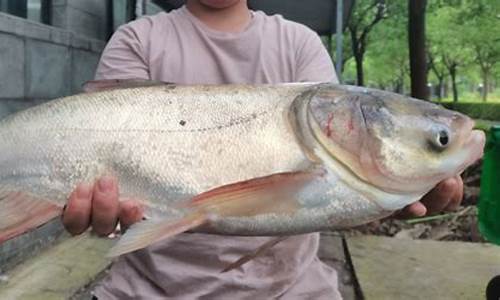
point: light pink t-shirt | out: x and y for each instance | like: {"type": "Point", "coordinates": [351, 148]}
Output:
{"type": "Point", "coordinates": [178, 48]}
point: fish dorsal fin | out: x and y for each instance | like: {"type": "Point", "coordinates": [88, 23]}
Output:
{"type": "Point", "coordinates": [112, 84]}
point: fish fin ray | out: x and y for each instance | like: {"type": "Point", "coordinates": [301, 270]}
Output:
{"type": "Point", "coordinates": [21, 212]}
{"type": "Point", "coordinates": [147, 232]}
{"type": "Point", "coordinates": [112, 84]}
{"type": "Point", "coordinates": [259, 251]}
{"type": "Point", "coordinates": [270, 194]}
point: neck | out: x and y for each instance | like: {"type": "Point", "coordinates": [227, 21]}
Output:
{"type": "Point", "coordinates": [233, 18]}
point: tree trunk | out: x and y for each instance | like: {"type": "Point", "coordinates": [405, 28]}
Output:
{"type": "Point", "coordinates": [358, 57]}
{"type": "Point", "coordinates": [440, 87]}
{"type": "Point", "coordinates": [359, 69]}
{"type": "Point", "coordinates": [446, 89]}
{"type": "Point", "coordinates": [484, 92]}
{"type": "Point", "coordinates": [416, 39]}
{"type": "Point", "coordinates": [453, 74]}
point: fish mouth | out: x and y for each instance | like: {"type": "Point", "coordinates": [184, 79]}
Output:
{"type": "Point", "coordinates": [475, 142]}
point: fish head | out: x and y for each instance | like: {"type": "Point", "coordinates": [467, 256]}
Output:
{"type": "Point", "coordinates": [396, 143]}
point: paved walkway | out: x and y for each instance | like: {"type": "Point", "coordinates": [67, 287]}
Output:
{"type": "Point", "coordinates": [390, 268]}
{"type": "Point", "coordinates": [384, 268]}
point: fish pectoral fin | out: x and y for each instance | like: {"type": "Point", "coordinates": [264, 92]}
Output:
{"type": "Point", "coordinates": [270, 194]}
{"type": "Point", "coordinates": [259, 251]}
{"type": "Point", "coordinates": [147, 232]}
{"type": "Point", "coordinates": [21, 212]}
{"type": "Point", "coordinates": [112, 84]}
{"type": "Point", "coordinates": [264, 195]}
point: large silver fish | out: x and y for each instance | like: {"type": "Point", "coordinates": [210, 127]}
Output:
{"type": "Point", "coordinates": [233, 159]}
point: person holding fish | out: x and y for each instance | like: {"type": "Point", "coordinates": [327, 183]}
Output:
{"type": "Point", "coordinates": [216, 42]}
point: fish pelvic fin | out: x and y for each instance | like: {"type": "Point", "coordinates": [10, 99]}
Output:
{"type": "Point", "coordinates": [21, 212]}
{"type": "Point", "coordinates": [259, 251]}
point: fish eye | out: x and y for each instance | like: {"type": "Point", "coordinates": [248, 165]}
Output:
{"type": "Point", "coordinates": [441, 139]}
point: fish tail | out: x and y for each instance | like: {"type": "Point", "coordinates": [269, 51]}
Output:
{"type": "Point", "coordinates": [21, 212]}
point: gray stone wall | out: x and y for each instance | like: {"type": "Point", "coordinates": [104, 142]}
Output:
{"type": "Point", "coordinates": [40, 62]}
{"type": "Point", "coordinates": [84, 17]}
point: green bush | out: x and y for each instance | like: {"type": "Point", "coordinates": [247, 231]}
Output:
{"type": "Point", "coordinates": [483, 125]}
{"type": "Point", "coordinates": [485, 111]}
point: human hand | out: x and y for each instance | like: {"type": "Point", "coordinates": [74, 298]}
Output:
{"type": "Point", "coordinates": [98, 206]}
{"type": "Point", "coordinates": [446, 196]}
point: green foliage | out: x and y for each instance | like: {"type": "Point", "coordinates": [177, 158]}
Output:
{"type": "Point", "coordinates": [475, 97]}
{"type": "Point", "coordinates": [387, 64]}
{"type": "Point", "coordinates": [484, 125]}
{"type": "Point", "coordinates": [445, 36]}
{"type": "Point", "coordinates": [485, 111]}
{"type": "Point", "coordinates": [482, 20]}
{"type": "Point", "coordinates": [378, 30]}
{"type": "Point", "coordinates": [366, 15]}
{"type": "Point", "coordinates": [463, 38]}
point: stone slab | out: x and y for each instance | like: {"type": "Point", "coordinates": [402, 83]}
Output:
{"type": "Point", "coordinates": [58, 14]}
{"type": "Point", "coordinates": [86, 24]}
{"type": "Point", "coordinates": [94, 7]}
{"type": "Point", "coordinates": [331, 252]}
{"type": "Point", "coordinates": [62, 37]}
{"type": "Point", "coordinates": [390, 268]}
{"type": "Point", "coordinates": [64, 20]}
{"type": "Point", "coordinates": [58, 272]}
{"type": "Point", "coordinates": [11, 66]}
{"type": "Point", "coordinates": [59, 2]}
{"type": "Point", "coordinates": [47, 70]}
{"type": "Point", "coordinates": [25, 28]}
{"type": "Point", "coordinates": [84, 67]}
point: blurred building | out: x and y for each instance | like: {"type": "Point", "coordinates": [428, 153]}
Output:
{"type": "Point", "coordinates": [49, 48]}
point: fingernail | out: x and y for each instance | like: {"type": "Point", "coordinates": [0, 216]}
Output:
{"type": "Point", "coordinates": [105, 183]}
{"type": "Point", "coordinates": [419, 210]}
{"type": "Point", "coordinates": [83, 190]}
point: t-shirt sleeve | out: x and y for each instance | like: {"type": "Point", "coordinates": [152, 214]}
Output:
{"type": "Point", "coordinates": [313, 61]}
{"type": "Point", "coordinates": [124, 55]}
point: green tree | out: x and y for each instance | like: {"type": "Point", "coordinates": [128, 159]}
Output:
{"type": "Point", "coordinates": [447, 45]}
{"type": "Point", "coordinates": [439, 70]}
{"type": "Point", "coordinates": [387, 64]}
{"type": "Point", "coordinates": [366, 14]}
{"type": "Point", "coordinates": [483, 34]}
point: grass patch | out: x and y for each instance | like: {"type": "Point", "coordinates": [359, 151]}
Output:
{"type": "Point", "coordinates": [469, 97]}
